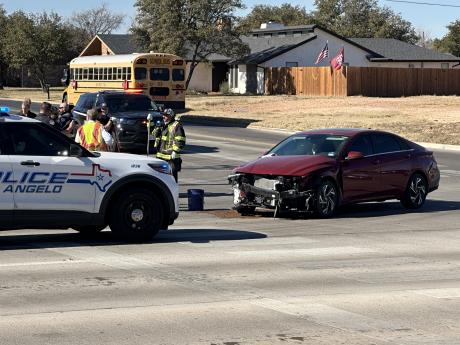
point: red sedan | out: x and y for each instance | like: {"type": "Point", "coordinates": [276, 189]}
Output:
{"type": "Point", "coordinates": [316, 171]}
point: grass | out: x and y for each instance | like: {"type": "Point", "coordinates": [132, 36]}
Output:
{"type": "Point", "coordinates": [35, 94]}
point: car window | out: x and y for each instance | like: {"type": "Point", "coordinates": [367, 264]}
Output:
{"type": "Point", "coordinates": [384, 143]}
{"type": "Point", "coordinates": [140, 73]}
{"type": "Point", "coordinates": [178, 74]}
{"type": "Point", "coordinates": [310, 145]}
{"type": "Point", "coordinates": [85, 102]}
{"type": "Point", "coordinates": [159, 74]}
{"type": "Point", "coordinates": [129, 102]}
{"type": "Point", "coordinates": [31, 139]}
{"type": "Point", "coordinates": [362, 144]}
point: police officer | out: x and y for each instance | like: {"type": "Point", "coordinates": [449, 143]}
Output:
{"type": "Point", "coordinates": [66, 122]}
{"type": "Point", "coordinates": [47, 116]}
{"type": "Point", "coordinates": [169, 141]}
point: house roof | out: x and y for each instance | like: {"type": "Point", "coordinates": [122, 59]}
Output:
{"type": "Point", "coordinates": [267, 48]}
{"type": "Point", "coordinates": [121, 44]}
{"type": "Point", "coordinates": [285, 28]}
{"type": "Point", "coordinates": [389, 49]}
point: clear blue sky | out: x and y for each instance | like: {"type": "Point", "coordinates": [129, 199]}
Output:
{"type": "Point", "coordinates": [429, 18]}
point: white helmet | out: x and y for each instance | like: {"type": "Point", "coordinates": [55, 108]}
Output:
{"type": "Point", "coordinates": [169, 113]}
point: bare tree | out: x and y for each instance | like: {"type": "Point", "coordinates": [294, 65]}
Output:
{"type": "Point", "coordinates": [99, 20]}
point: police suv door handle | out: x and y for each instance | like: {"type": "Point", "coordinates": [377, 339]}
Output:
{"type": "Point", "coordinates": [30, 163]}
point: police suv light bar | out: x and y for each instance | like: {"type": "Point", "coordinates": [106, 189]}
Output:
{"type": "Point", "coordinates": [4, 110]}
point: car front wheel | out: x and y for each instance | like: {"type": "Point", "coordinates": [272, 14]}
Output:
{"type": "Point", "coordinates": [416, 192]}
{"type": "Point", "coordinates": [136, 215]}
{"type": "Point", "coordinates": [327, 197]}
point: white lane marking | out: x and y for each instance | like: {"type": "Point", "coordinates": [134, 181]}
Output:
{"type": "Point", "coordinates": [39, 263]}
{"type": "Point", "coordinates": [440, 293]}
{"type": "Point", "coordinates": [324, 314]}
{"type": "Point", "coordinates": [450, 172]}
{"type": "Point", "coordinates": [330, 251]}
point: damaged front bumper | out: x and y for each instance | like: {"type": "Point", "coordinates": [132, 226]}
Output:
{"type": "Point", "coordinates": [283, 196]}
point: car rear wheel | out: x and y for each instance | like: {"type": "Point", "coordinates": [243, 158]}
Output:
{"type": "Point", "coordinates": [136, 215]}
{"type": "Point", "coordinates": [327, 197]}
{"type": "Point", "coordinates": [416, 192]}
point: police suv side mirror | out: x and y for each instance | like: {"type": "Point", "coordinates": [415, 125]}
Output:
{"type": "Point", "coordinates": [75, 151]}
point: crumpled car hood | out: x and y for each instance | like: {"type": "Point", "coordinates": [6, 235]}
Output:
{"type": "Point", "coordinates": [286, 165]}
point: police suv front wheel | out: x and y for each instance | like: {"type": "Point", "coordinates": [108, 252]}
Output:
{"type": "Point", "coordinates": [136, 215]}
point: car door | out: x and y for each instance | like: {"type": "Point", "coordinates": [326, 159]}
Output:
{"type": "Point", "coordinates": [360, 176]}
{"type": "Point", "coordinates": [45, 177]}
{"type": "Point", "coordinates": [6, 172]}
{"type": "Point", "coordinates": [395, 163]}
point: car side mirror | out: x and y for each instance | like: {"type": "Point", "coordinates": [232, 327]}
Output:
{"type": "Point", "coordinates": [75, 151]}
{"type": "Point", "coordinates": [354, 155]}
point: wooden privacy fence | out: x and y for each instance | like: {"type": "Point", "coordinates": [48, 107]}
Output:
{"type": "Point", "coordinates": [365, 81]}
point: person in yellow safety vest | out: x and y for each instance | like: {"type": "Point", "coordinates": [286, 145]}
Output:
{"type": "Point", "coordinates": [169, 141]}
{"type": "Point", "coordinates": [92, 135]}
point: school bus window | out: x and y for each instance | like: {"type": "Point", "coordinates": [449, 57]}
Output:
{"type": "Point", "coordinates": [109, 73]}
{"type": "Point", "coordinates": [119, 73]}
{"type": "Point", "coordinates": [178, 74]}
{"type": "Point", "coordinates": [140, 73]}
{"type": "Point", "coordinates": [128, 76]}
{"type": "Point", "coordinates": [159, 74]}
{"type": "Point", "coordinates": [90, 74]}
{"type": "Point", "coordinates": [101, 74]}
{"type": "Point", "coordinates": [85, 74]}
{"type": "Point", "coordinates": [96, 74]}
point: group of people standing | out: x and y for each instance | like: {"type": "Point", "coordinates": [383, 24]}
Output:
{"type": "Point", "coordinates": [98, 131]}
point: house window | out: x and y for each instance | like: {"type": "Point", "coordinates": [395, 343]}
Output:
{"type": "Point", "coordinates": [445, 65]}
{"type": "Point", "coordinates": [255, 35]}
{"type": "Point", "coordinates": [411, 65]}
{"type": "Point", "coordinates": [267, 35]}
{"type": "Point", "coordinates": [292, 64]}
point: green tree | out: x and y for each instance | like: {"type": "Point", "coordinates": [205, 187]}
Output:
{"type": "Point", "coordinates": [286, 14]}
{"type": "Point", "coordinates": [37, 41]}
{"type": "Point", "coordinates": [192, 29]}
{"type": "Point", "coordinates": [450, 43]}
{"type": "Point", "coordinates": [98, 20]}
{"type": "Point", "coordinates": [363, 18]}
{"type": "Point", "coordinates": [3, 65]}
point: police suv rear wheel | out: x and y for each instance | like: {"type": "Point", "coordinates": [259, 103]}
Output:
{"type": "Point", "coordinates": [136, 215]}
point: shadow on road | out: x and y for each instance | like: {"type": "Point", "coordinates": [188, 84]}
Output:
{"type": "Point", "coordinates": [191, 149]}
{"type": "Point", "coordinates": [71, 239]}
{"type": "Point", "coordinates": [200, 120]}
{"type": "Point", "coordinates": [393, 208]}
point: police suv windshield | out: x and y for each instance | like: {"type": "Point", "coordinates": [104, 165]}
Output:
{"type": "Point", "coordinates": [310, 145]}
{"type": "Point", "coordinates": [131, 102]}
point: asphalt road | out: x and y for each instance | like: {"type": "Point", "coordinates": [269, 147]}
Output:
{"type": "Point", "coordinates": [374, 274]}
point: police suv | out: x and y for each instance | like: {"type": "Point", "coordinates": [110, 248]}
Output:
{"type": "Point", "coordinates": [47, 181]}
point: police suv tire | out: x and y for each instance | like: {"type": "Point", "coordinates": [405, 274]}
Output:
{"type": "Point", "coordinates": [136, 215]}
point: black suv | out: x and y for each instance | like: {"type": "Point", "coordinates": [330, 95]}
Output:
{"type": "Point", "coordinates": [130, 111]}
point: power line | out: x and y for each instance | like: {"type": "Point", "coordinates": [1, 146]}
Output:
{"type": "Point", "coordinates": [424, 3]}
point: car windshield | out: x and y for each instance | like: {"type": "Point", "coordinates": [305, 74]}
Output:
{"type": "Point", "coordinates": [123, 103]}
{"type": "Point", "coordinates": [310, 145]}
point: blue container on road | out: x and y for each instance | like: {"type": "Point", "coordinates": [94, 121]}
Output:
{"type": "Point", "coordinates": [195, 199]}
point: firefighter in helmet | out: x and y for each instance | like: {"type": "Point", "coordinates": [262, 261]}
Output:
{"type": "Point", "coordinates": [169, 141]}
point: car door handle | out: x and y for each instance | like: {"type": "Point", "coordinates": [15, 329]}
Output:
{"type": "Point", "coordinates": [30, 163]}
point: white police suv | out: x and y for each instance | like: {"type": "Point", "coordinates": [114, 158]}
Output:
{"type": "Point", "coordinates": [47, 181]}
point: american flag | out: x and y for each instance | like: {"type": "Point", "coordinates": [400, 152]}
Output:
{"type": "Point", "coordinates": [323, 54]}
{"type": "Point", "coordinates": [337, 61]}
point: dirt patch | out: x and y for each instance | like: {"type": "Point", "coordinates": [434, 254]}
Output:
{"type": "Point", "coordinates": [424, 118]}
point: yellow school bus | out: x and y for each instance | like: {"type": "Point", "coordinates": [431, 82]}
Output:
{"type": "Point", "coordinates": [160, 76]}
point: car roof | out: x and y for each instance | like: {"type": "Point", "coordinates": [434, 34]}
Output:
{"type": "Point", "coordinates": [15, 118]}
{"type": "Point", "coordinates": [114, 92]}
{"type": "Point", "coordinates": [338, 131]}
